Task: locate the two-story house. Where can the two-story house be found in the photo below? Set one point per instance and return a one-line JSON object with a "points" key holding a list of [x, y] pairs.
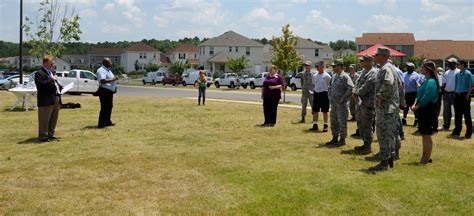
{"points": [[214, 53], [402, 42], [440, 51], [96, 55], [77, 61], [187, 53], [141, 54]]}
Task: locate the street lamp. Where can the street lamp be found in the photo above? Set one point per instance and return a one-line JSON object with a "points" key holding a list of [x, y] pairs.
{"points": [[21, 42]]}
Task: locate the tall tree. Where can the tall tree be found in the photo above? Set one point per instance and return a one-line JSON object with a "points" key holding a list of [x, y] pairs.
{"points": [[236, 65], [342, 44], [178, 67], [285, 56], [58, 24]]}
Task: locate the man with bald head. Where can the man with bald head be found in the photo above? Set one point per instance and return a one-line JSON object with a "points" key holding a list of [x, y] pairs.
{"points": [[106, 91]]}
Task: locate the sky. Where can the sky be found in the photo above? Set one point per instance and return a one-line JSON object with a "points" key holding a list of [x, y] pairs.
{"points": [[322, 20]]}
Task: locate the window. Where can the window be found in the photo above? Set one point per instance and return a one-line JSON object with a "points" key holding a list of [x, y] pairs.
{"points": [[64, 67], [154, 55], [141, 55], [363, 47], [230, 49], [71, 60], [316, 52], [81, 61], [195, 56], [236, 49], [181, 55], [115, 58], [398, 48], [93, 59], [144, 55], [72, 74], [247, 51], [87, 75], [211, 50]]}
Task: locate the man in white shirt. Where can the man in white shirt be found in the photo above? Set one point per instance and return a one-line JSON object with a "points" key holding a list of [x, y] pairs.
{"points": [[321, 82], [449, 84], [107, 89]]}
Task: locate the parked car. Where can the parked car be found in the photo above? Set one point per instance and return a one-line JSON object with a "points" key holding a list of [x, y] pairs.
{"points": [[84, 81], [230, 80], [172, 79], [153, 77], [12, 81], [258, 80], [191, 77], [62, 73], [295, 82]]}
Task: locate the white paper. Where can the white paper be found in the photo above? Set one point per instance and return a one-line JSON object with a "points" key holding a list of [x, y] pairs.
{"points": [[67, 88]]}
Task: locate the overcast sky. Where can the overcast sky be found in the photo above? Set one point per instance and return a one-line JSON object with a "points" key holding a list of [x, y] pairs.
{"points": [[322, 20]]}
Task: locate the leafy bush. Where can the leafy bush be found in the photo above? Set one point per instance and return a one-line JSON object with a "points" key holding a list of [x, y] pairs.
{"points": [[152, 67]]}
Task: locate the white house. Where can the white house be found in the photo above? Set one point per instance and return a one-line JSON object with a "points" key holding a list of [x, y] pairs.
{"points": [[140, 53], [214, 53], [187, 53]]}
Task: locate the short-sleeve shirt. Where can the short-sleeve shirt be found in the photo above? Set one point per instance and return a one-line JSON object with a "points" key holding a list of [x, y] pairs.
{"points": [[450, 80], [272, 81], [463, 81], [306, 81], [321, 82], [104, 73], [409, 80]]}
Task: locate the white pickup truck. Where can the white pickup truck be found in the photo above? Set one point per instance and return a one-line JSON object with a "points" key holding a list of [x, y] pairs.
{"points": [[84, 81], [258, 80], [230, 80]]}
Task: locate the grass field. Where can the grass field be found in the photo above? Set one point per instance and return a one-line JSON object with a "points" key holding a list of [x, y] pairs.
{"points": [[170, 156]]}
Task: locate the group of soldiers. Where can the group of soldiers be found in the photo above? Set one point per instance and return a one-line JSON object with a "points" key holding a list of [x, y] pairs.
{"points": [[374, 94]]}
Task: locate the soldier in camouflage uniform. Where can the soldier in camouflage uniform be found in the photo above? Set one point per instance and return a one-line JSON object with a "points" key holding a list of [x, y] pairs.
{"points": [[306, 88], [339, 94], [387, 109], [352, 103], [364, 95]]}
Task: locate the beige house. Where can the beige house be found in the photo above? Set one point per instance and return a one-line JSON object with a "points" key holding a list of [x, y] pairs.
{"points": [[187, 53], [214, 53], [140, 53]]}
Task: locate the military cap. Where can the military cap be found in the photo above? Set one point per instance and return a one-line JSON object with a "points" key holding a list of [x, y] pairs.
{"points": [[452, 60], [366, 58], [383, 51], [308, 63], [409, 64], [337, 62]]}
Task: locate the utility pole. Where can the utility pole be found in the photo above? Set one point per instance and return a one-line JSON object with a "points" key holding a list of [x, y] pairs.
{"points": [[21, 42]]}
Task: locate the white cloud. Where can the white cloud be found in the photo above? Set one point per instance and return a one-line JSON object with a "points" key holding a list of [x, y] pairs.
{"points": [[315, 20], [193, 11], [161, 22], [132, 12], [387, 23], [428, 5], [433, 21], [261, 14], [389, 4], [112, 28], [368, 2], [109, 7]]}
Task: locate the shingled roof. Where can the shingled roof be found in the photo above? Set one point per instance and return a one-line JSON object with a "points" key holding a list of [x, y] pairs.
{"points": [[106, 51], [231, 38], [185, 48], [141, 47], [386, 39], [442, 49]]}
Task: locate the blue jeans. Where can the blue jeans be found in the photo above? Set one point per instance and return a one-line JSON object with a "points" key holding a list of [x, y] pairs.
{"points": [[202, 93]]}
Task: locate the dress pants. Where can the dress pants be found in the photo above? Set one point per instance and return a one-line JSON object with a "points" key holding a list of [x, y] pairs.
{"points": [[462, 108], [106, 103], [270, 106], [47, 120]]}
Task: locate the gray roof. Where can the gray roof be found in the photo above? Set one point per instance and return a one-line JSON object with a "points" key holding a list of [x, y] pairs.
{"points": [[305, 43], [231, 38]]}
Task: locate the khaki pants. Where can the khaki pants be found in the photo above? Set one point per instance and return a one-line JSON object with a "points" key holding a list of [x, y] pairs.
{"points": [[47, 119]]}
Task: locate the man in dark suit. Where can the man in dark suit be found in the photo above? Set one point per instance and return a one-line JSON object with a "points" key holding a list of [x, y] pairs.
{"points": [[49, 100]]}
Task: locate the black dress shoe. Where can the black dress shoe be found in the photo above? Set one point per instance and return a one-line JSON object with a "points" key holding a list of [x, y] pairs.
{"points": [[110, 125], [54, 138], [43, 140]]}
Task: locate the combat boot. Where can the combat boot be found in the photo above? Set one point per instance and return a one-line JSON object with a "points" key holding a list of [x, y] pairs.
{"points": [[364, 150], [382, 166], [342, 142], [302, 120], [314, 128], [325, 129], [397, 155], [332, 142], [356, 134]]}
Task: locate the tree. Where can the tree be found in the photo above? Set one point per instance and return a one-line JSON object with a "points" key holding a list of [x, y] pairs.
{"points": [[178, 67], [342, 44], [236, 65], [285, 56], [348, 60], [417, 60], [57, 25], [152, 67], [136, 65]]}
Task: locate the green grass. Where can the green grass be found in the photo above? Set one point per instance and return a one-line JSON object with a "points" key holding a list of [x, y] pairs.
{"points": [[170, 156]]}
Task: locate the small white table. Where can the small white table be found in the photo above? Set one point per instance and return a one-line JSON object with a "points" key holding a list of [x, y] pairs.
{"points": [[23, 97]]}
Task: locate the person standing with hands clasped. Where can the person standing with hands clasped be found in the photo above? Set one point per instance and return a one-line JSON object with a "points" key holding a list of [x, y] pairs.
{"points": [[271, 94], [462, 100], [202, 85], [425, 107], [49, 100], [106, 91]]}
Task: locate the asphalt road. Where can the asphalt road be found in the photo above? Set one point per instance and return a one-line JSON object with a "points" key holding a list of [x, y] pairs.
{"points": [[125, 90]]}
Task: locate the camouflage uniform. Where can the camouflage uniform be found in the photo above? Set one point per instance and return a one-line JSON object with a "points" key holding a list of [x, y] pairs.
{"points": [[306, 86], [365, 112], [352, 104], [339, 93], [387, 109]]}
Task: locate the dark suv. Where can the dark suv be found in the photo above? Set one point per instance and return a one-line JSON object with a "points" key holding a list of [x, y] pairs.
{"points": [[172, 79]]}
